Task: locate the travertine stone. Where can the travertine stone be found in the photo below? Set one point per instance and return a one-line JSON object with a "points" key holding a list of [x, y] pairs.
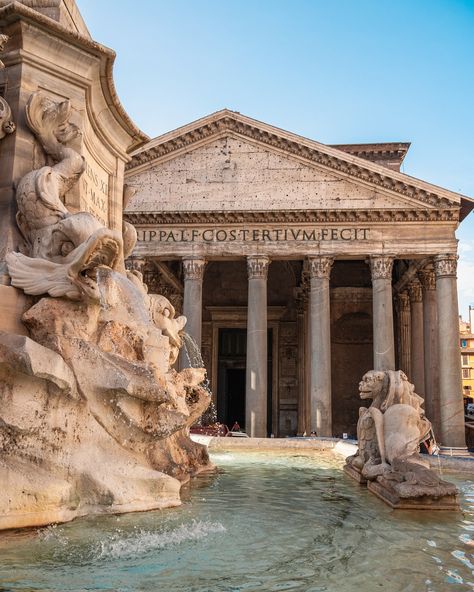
{"points": [[13, 304], [320, 345], [256, 366], [430, 337], [450, 385], [417, 337], [384, 341]]}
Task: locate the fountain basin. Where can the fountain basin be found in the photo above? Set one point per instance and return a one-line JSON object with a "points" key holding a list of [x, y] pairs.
{"points": [[267, 521]]}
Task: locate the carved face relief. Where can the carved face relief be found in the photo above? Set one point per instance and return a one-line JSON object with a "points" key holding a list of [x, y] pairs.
{"points": [[163, 315], [371, 384]]}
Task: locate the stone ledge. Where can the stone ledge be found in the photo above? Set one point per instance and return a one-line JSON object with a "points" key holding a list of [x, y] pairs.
{"points": [[460, 464]]}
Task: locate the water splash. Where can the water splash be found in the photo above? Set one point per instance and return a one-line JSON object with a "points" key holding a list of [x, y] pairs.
{"points": [[139, 543], [194, 359], [119, 298]]}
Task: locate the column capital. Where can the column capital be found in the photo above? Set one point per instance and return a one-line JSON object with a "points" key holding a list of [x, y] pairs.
{"points": [[403, 300], [427, 278], [193, 268], [135, 264], [381, 267], [320, 266], [445, 265], [257, 266], [415, 291]]}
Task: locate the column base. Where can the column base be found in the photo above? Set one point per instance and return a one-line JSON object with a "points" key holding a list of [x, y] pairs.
{"points": [[454, 451]]}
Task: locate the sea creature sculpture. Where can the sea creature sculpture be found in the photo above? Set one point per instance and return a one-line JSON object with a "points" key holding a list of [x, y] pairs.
{"points": [[93, 418]]}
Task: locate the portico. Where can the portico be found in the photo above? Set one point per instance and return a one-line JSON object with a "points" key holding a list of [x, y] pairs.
{"points": [[327, 259]]}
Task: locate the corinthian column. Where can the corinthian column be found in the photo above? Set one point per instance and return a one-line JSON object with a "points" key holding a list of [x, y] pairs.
{"points": [[320, 345], [449, 363], [404, 331], [193, 271], [384, 347], [257, 356], [430, 332], [417, 376]]}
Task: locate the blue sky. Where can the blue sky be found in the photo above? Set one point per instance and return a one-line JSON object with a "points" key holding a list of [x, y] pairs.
{"points": [[344, 71]]}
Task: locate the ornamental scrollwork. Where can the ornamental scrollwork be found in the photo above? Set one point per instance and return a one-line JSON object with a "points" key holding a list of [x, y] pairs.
{"points": [[257, 267], [415, 291], [320, 267], [381, 267], [445, 265], [193, 269], [428, 278]]}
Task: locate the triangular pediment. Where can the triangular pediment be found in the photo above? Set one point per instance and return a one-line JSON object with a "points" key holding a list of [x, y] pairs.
{"points": [[228, 162]]}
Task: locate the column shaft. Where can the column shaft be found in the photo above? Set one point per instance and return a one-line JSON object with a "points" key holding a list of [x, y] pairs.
{"points": [[384, 341], [451, 402], [193, 270], [301, 428], [404, 332], [417, 376], [257, 355], [320, 345], [430, 331]]}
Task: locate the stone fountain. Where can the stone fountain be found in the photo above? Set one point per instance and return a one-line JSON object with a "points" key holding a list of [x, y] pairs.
{"points": [[93, 417]]}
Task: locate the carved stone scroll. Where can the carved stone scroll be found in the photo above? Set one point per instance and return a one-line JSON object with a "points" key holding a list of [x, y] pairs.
{"points": [[445, 265], [320, 267], [381, 267], [257, 266]]}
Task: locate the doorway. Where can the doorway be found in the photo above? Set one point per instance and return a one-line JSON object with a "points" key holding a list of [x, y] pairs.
{"points": [[231, 376]]}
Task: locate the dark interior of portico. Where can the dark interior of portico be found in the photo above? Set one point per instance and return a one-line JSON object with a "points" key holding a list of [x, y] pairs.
{"points": [[224, 324], [225, 293]]}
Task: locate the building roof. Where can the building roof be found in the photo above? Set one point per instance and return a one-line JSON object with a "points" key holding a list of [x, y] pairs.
{"points": [[376, 163]]}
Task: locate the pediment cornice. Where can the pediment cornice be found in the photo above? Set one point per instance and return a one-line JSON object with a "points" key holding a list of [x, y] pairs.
{"points": [[334, 159], [292, 216]]}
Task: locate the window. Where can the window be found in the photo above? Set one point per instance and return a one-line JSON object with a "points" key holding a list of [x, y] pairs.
{"points": [[466, 373], [465, 360], [463, 342]]}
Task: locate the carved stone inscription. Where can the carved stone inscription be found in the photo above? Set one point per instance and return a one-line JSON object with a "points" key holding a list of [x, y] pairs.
{"points": [[95, 189], [249, 235]]}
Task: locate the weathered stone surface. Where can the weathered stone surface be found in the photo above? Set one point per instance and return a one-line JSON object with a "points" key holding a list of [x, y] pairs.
{"points": [[389, 435], [93, 419]]}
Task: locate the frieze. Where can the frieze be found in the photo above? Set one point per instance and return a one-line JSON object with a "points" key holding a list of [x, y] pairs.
{"points": [[243, 235], [293, 216], [230, 123]]}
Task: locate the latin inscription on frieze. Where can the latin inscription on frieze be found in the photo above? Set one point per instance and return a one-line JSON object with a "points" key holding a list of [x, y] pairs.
{"points": [[244, 235]]}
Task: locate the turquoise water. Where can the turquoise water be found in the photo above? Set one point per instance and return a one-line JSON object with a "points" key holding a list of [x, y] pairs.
{"points": [[263, 523]]}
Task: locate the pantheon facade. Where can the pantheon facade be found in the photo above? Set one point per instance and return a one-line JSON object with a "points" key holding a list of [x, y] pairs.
{"points": [[300, 266]]}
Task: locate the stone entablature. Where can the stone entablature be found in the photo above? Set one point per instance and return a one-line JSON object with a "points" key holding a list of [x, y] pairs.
{"points": [[293, 241]]}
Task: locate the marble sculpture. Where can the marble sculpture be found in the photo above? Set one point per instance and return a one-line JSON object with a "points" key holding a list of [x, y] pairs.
{"points": [[389, 434], [93, 418]]}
